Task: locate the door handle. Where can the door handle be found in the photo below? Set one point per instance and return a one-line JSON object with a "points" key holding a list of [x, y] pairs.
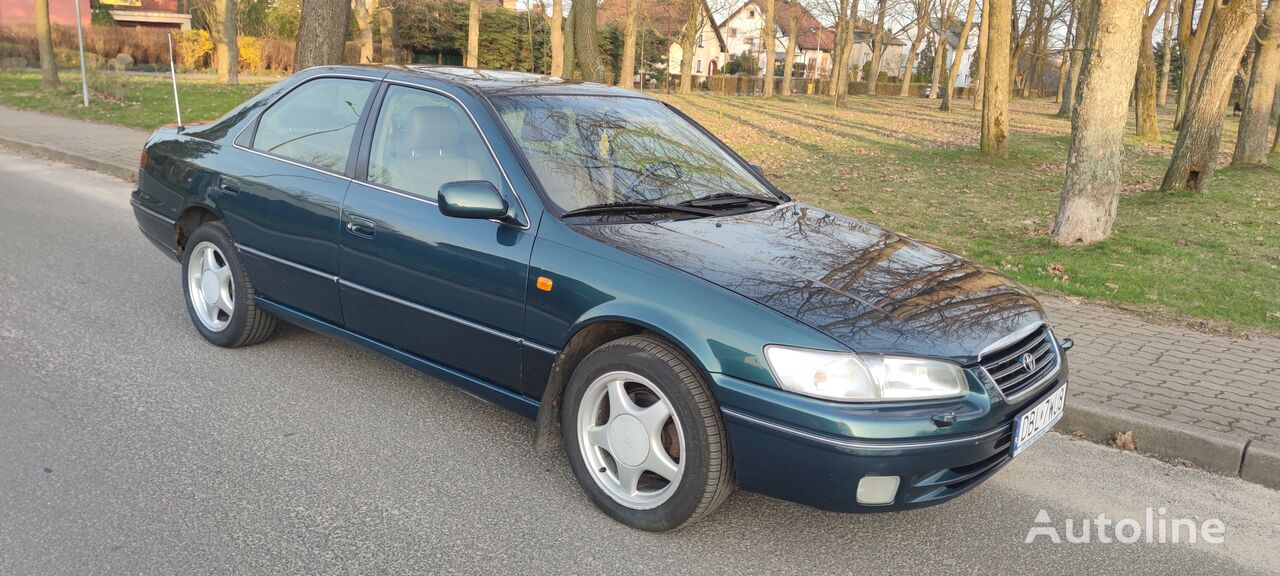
{"points": [[362, 227], [229, 185]]}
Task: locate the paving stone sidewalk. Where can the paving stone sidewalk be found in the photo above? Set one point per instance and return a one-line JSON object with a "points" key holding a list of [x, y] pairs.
{"points": [[1210, 399]]}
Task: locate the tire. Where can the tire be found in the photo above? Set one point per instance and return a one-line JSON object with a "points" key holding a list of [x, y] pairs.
{"points": [[245, 324], [651, 372]]}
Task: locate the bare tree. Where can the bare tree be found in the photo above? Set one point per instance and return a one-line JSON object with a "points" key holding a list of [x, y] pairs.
{"points": [[768, 43], [981, 78], [942, 34], [557, 38], [364, 11], [226, 52], [1091, 190], [877, 45], [473, 34], [1191, 35], [570, 61], [1145, 100], [788, 63], [1081, 10], [1255, 119], [922, 9], [48, 60], [1064, 62], [692, 24], [995, 99], [956, 61], [1195, 155], [586, 48], [840, 54], [1166, 55], [627, 70], [322, 33]]}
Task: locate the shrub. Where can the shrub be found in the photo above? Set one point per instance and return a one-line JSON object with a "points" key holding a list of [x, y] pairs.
{"points": [[194, 49]]}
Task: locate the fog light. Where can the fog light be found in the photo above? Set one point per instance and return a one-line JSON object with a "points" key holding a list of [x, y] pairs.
{"points": [[877, 490]]}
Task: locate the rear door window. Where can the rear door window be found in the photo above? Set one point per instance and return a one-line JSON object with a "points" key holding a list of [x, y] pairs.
{"points": [[315, 123]]}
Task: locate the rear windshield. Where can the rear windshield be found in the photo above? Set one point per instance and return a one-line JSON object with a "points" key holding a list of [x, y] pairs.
{"points": [[589, 150]]}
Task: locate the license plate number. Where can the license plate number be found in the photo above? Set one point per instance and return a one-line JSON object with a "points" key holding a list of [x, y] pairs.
{"points": [[1035, 421]]}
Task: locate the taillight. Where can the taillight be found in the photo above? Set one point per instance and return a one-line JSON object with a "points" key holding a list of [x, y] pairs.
{"points": [[142, 160]]}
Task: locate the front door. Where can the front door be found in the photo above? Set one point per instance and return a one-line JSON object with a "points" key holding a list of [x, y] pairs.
{"points": [[284, 203], [446, 289]]}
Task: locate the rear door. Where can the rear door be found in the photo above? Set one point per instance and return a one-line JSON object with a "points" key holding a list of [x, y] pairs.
{"points": [[283, 196], [447, 289]]}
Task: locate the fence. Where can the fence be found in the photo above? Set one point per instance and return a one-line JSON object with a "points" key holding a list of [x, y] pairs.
{"points": [[729, 85]]}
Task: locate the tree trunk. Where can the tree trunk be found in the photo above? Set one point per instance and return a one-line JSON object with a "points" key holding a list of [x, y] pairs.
{"points": [[1255, 119], [769, 43], [322, 33], [995, 99], [693, 17], [586, 48], [387, 28], [788, 63], [1163, 97], [223, 34], [363, 11], [570, 61], [48, 60], [1091, 190], [922, 24], [956, 61], [1195, 155], [1145, 103], [837, 52], [877, 46], [1078, 39], [939, 58], [473, 34], [557, 38], [627, 71], [980, 81], [1190, 42]]}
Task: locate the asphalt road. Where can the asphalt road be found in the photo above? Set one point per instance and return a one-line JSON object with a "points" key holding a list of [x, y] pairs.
{"points": [[129, 445]]}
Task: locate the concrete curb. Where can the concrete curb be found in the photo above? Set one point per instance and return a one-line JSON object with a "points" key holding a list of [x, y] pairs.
{"points": [[86, 162], [1222, 453], [1262, 464]]}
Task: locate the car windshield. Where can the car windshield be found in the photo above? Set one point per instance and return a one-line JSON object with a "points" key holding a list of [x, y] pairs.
{"points": [[591, 150]]}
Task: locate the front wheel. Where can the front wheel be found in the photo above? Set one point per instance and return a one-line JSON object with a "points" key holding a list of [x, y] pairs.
{"points": [[644, 436], [220, 298]]}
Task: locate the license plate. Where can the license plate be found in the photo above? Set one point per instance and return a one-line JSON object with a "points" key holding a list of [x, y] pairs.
{"points": [[1035, 421]]}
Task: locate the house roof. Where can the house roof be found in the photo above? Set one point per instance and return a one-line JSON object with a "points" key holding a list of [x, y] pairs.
{"points": [[666, 17]]}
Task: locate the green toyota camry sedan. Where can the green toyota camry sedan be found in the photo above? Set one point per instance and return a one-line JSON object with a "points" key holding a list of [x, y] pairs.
{"points": [[592, 258]]}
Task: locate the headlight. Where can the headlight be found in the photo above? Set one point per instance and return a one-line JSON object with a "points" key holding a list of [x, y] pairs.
{"points": [[849, 377]]}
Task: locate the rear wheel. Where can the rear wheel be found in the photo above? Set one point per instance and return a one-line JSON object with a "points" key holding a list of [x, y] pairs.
{"points": [[220, 298], [644, 436]]}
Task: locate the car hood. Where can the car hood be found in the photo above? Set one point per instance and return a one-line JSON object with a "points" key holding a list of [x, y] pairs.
{"points": [[869, 288]]}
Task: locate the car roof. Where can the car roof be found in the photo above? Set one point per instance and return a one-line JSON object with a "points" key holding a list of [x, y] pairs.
{"points": [[497, 82]]}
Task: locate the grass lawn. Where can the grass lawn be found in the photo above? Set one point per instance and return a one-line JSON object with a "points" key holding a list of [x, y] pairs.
{"points": [[903, 164], [148, 101]]}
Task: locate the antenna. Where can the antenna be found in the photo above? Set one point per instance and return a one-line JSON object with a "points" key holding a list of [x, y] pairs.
{"points": [[173, 75]]}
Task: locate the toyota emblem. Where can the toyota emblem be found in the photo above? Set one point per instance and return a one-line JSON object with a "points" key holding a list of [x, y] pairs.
{"points": [[1029, 362]]}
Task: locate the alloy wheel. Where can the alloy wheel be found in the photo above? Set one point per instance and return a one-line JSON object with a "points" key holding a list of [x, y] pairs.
{"points": [[210, 287], [631, 439]]}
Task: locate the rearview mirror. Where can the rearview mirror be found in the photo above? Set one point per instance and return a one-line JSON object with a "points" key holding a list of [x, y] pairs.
{"points": [[471, 199]]}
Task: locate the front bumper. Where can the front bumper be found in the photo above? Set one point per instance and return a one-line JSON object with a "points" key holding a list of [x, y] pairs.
{"points": [[797, 463]]}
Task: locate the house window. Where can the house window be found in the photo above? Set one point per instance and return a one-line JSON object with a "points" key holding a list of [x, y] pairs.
{"points": [[751, 14], [700, 39], [733, 32], [699, 62]]}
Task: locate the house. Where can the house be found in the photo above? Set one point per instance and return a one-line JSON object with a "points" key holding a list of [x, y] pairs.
{"points": [[963, 79], [815, 43], [147, 14], [23, 13], [667, 19]]}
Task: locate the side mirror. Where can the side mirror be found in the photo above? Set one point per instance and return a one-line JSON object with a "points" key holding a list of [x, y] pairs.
{"points": [[471, 199], [758, 168]]}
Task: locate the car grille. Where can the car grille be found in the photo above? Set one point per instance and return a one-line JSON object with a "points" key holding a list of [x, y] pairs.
{"points": [[1008, 367]]}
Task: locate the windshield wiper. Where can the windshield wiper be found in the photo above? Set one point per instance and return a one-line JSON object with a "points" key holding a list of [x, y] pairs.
{"points": [[632, 206], [725, 199]]}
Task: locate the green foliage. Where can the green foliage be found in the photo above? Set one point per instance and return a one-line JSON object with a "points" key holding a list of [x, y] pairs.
{"points": [[100, 15], [281, 19], [743, 64], [1175, 64], [508, 40], [924, 64]]}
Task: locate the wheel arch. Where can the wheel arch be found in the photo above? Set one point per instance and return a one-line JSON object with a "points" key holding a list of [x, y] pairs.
{"points": [[588, 335], [191, 218]]}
